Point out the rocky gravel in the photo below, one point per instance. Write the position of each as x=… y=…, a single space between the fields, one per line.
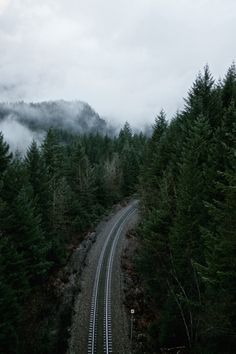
x=121 y=317
x=84 y=263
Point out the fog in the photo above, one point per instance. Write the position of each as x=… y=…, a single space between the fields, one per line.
x=127 y=59
x=21 y=122
x=18 y=136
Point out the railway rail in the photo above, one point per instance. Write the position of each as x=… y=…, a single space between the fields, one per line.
x=100 y=324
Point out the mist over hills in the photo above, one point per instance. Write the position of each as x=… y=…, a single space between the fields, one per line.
x=21 y=122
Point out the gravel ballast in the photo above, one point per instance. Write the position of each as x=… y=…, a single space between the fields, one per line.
x=120 y=323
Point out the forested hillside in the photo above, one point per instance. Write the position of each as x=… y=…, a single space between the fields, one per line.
x=58 y=190
x=76 y=116
x=186 y=178
x=20 y=121
x=187 y=256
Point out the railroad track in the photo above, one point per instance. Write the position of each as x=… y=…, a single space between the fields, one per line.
x=100 y=326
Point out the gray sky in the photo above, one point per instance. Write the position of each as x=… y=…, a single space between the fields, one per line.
x=126 y=58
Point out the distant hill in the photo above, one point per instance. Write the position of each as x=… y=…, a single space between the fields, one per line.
x=21 y=122
x=77 y=117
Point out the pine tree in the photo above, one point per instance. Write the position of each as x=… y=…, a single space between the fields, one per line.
x=51 y=170
x=62 y=207
x=34 y=168
x=27 y=234
x=14 y=288
x=219 y=271
x=188 y=236
x=204 y=98
x=113 y=178
x=199 y=97
x=159 y=128
x=125 y=136
x=130 y=169
x=229 y=87
x=82 y=182
x=156 y=160
x=5 y=155
x=52 y=154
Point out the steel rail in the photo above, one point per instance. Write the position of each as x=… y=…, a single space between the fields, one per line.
x=92 y=338
x=107 y=315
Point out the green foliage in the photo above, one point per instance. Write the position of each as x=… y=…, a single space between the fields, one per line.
x=5 y=155
x=14 y=286
x=56 y=191
x=229 y=87
x=187 y=187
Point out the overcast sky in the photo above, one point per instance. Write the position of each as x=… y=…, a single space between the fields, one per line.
x=126 y=58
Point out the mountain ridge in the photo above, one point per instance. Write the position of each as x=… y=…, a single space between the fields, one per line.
x=21 y=122
x=73 y=116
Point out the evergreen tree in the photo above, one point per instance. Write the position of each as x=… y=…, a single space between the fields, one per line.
x=52 y=154
x=82 y=182
x=204 y=98
x=229 y=87
x=219 y=276
x=130 y=170
x=50 y=172
x=34 y=168
x=14 y=287
x=125 y=136
x=187 y=252
x=28 y=235
x=159 y=129
x=5 y=155
x=56 y=191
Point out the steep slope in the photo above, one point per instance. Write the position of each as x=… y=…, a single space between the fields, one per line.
x=20 y=121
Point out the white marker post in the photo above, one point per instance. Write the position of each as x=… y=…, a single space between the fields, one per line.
x=131 y=328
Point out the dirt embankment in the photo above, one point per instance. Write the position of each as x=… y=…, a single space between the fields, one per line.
x=136 y=299
x=146 y=313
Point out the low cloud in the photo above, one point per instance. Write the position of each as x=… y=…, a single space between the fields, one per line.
x=21 y=122
x=128 y=59
x=17 y=135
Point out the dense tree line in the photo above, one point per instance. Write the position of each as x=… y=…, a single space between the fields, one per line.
x=188 y=235
x=55 y=191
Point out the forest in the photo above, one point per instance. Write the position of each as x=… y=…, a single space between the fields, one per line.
x=185 y=176
x=187 y=257
x=57 y=190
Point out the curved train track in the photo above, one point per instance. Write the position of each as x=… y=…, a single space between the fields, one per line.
x=100 y=334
